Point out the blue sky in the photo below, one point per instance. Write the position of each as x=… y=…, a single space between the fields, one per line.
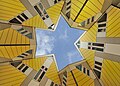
x=60 y=42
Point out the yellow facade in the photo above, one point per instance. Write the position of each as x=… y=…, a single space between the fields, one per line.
x=9 y=76
x=11 y=38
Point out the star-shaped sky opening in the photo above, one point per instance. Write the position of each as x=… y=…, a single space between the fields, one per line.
x=60 y=42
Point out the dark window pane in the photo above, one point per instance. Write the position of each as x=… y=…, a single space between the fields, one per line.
x=68 y=2
x=20 y=18
x=29 y=35
x=64 y=79
x=24 y=32
x=43 y=73
x=20 y=29
x=84 y=70
x=79 y=67
x=64 y=83
x=98 y=44
x=25 y=69
x=68 y=15
x=88 y=21
x=98 y=63
x=14 y=20
x=88 y=72
x=15 y=64
x=68 y=7
x=55 y=1
x=30 y=51
x=83 y=23
x=24 y=16
x=37 y=74
x=21 y=66
x=52 y=83
x=36 y=8
x=103 y=18
x=101 y=25
x=98 y=49
x=65 y=74
x=97 y=67
x=24 y=54
x=97 y=73
x=92 y=19
x=89 y=43
x=20 y=56
x=40 y=5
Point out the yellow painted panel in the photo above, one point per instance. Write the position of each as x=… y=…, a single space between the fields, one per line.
x=40 y=23
x=54 y=11
x=12 y=77
x=4 y=52
x=52 y=73
x=70 y=80
x=90 y=35
x=14 y=39
x=113 y=23
x=110 y=73
x=10 y=9
x=35 y=63
x=4 y=36
x=10 y=35
x=89 y=55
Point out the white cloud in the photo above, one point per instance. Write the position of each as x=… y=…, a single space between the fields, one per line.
x=71 y=55
x=64 y=35
x=45 y=43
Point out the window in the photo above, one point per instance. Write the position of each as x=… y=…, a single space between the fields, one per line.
x=97 y=73
x=68 y=2
x=47 y=16
x=88 y=21
x=40 y=5
x=15 y=64
x=55 y=1
x=20 y=18
x=20 y=56
x=64 y=79
x=103 y=18
x=30 y=51
x=43 y=73
x=101 y=30
x=24 y=32
x=20 y=29
x=24 y=16
x=98 y=44
x=83 y=23
x=24 y=54
x=92 y=19
x=84 y=70
x=37 y=9
x=97 y=67
x=37 y=74
x=98 y=63
x=65 y=74
x=68 y=7
x=25 y=69
x=64 y=83
x=52 y=83
x=21 y=66
x=79 y=67
x=14 y=20
x=88 y=72
x=68 y=15
x=98 y=49
x=101 y=25
x=89 y=43
x=29 y=35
